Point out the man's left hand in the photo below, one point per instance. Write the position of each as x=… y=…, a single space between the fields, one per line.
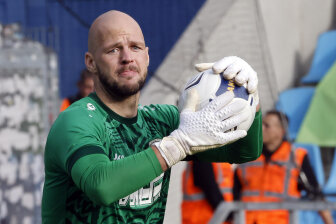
x=235 y=68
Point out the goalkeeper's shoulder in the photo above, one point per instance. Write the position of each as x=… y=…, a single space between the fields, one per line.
x=155 y=107
x=159 y=111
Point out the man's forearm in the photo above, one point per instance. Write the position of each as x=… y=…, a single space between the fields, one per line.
x=326 y=216
x=205 y=179
x=105 y=181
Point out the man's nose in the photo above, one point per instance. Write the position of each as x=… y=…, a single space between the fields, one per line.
x=126 y=56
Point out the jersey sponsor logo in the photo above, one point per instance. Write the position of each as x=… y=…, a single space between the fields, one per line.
x=117 y=157
x=90 y=106
x=144 y=196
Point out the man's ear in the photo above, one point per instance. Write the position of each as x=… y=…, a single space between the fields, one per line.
x=147 y=50
x=283 y=133
x=90 y=63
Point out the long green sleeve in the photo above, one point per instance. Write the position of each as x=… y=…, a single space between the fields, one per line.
x=244 y=150
x=105 y=181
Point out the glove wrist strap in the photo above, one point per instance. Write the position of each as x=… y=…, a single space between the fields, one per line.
x=171 y=151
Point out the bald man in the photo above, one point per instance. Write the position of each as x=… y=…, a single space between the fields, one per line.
x=107 y=159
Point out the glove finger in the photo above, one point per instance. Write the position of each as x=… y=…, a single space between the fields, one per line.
x=235 y=107
x=232 y=136
x=252 y=84
x=219 y=101
x=231 y=71
x=242 y=77
x=203 y=66
x=233 y=121
x=191 y=101
x=222 y=64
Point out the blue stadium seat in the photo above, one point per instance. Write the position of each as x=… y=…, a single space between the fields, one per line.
x=315 y=159
x=294 y=103
x=324 y=57
x=330 y=186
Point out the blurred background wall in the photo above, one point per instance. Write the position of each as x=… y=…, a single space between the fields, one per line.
x=63 y=25
x=42 y=48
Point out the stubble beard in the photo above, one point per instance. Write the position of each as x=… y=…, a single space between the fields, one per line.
x=116 y=90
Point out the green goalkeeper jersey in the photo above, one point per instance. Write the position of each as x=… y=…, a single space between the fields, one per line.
x=99 y=167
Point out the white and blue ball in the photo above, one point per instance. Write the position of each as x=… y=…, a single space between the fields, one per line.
x=210 y=85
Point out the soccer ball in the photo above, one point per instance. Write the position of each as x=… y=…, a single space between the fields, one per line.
x=210 y=85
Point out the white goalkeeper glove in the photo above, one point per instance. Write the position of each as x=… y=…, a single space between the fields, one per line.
x=235 y=68
x=204 y=129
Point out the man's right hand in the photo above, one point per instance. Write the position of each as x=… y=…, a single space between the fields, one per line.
x=204 y=129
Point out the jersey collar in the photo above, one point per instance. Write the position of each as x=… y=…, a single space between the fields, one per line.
x=113 y=114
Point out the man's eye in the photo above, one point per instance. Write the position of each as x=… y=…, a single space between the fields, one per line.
x=136 y=48
x=114 y=50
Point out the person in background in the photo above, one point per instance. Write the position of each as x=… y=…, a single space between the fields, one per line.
x=205 y=186
x=85 y=86
x=108 y=159
x=280 y=173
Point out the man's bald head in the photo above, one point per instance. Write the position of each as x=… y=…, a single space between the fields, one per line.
x=117 y=55
x=109 y=22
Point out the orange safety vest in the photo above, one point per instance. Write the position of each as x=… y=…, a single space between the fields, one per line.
x=195 y=208
x=274 y=181
x=65 y=104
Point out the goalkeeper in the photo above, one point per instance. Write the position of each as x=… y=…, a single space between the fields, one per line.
x=108 y=160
